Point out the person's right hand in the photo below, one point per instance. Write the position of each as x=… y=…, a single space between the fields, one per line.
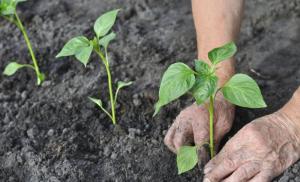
x=192 y=125
x=260 y=151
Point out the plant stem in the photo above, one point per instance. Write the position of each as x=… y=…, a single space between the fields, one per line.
x=211 y=126
x=112 y=100
x=111 y=95
x=21 y=27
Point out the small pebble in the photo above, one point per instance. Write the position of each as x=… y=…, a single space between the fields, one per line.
x=65 y=130
x=137 y=102
x=106 y=151
x=50 y=132
x=30 y=133
x=113 y=155
x=24 y=95
x=46 y=83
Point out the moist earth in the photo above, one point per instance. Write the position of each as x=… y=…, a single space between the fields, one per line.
x=54 y=133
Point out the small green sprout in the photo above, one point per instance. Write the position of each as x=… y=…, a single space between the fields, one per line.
x=82 y=48
x=8 y=11
x=179 y=79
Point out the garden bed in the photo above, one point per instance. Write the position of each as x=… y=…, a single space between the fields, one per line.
x=54 y=133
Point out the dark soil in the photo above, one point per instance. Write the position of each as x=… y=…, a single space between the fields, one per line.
x=53 y=133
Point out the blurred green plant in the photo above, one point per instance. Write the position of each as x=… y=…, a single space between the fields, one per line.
x=82 y=48
x=8 y=11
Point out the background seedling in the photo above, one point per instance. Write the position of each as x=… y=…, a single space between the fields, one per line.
x=8 y=12
x=82 y=48
x=179 y=79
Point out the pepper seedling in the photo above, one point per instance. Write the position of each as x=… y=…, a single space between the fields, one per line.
x=82 y=48
x=8 y=11
x=240 y=90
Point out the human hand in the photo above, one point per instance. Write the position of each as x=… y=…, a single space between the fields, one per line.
x=260 y=151
x=192 y=125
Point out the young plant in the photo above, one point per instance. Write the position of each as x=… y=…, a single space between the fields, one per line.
x=8 y=12
x=179 y=79
x=82 y=48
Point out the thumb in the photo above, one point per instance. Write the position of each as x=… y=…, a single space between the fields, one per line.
x=201 y=139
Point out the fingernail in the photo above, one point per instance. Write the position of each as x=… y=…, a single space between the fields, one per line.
x=206 y=180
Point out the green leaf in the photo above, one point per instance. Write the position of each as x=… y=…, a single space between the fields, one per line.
x=80 y=47
x=104 y=41
x=187 y=158
x=243 y=91
x=222 y=53
x=73 y=46
x=8 y=7
x=204 y=87
x=122 y=84
x=96 y=101
x=12 y=68
x=202 y=68
x=176 y=81
x=84 y=54
x=105 y=22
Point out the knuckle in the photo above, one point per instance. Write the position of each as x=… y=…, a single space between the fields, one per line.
x=229 y=163
x=250 y=128
x=226 y=127
x=167 y=140
x=245 y=173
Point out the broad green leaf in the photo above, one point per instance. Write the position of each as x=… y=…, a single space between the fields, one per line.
x=78 y=46
x=222 y=53
x=187 y=158
x=105 y=22
x=204 y=87
x=8 y=7
x=84 y=54
x=73 y=46
x=40 y=78
x=202 y=68
x=176 y=81
x=243 y=91
x=104 y=41
x=98 y=102
x=12 y=68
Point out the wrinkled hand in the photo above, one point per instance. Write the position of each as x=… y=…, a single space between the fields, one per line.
x=260 y=151
x=192 y=124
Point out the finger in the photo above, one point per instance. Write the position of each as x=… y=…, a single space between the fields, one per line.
x=263 y=176
x=169 y=138
x=203 y=156
x=201 y=139
x=215 y=161
x=244 y=172
x=181 y=138
x=224 y=168
x=221 y=155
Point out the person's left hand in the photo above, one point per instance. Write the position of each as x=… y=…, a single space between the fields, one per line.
x=260 y=151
